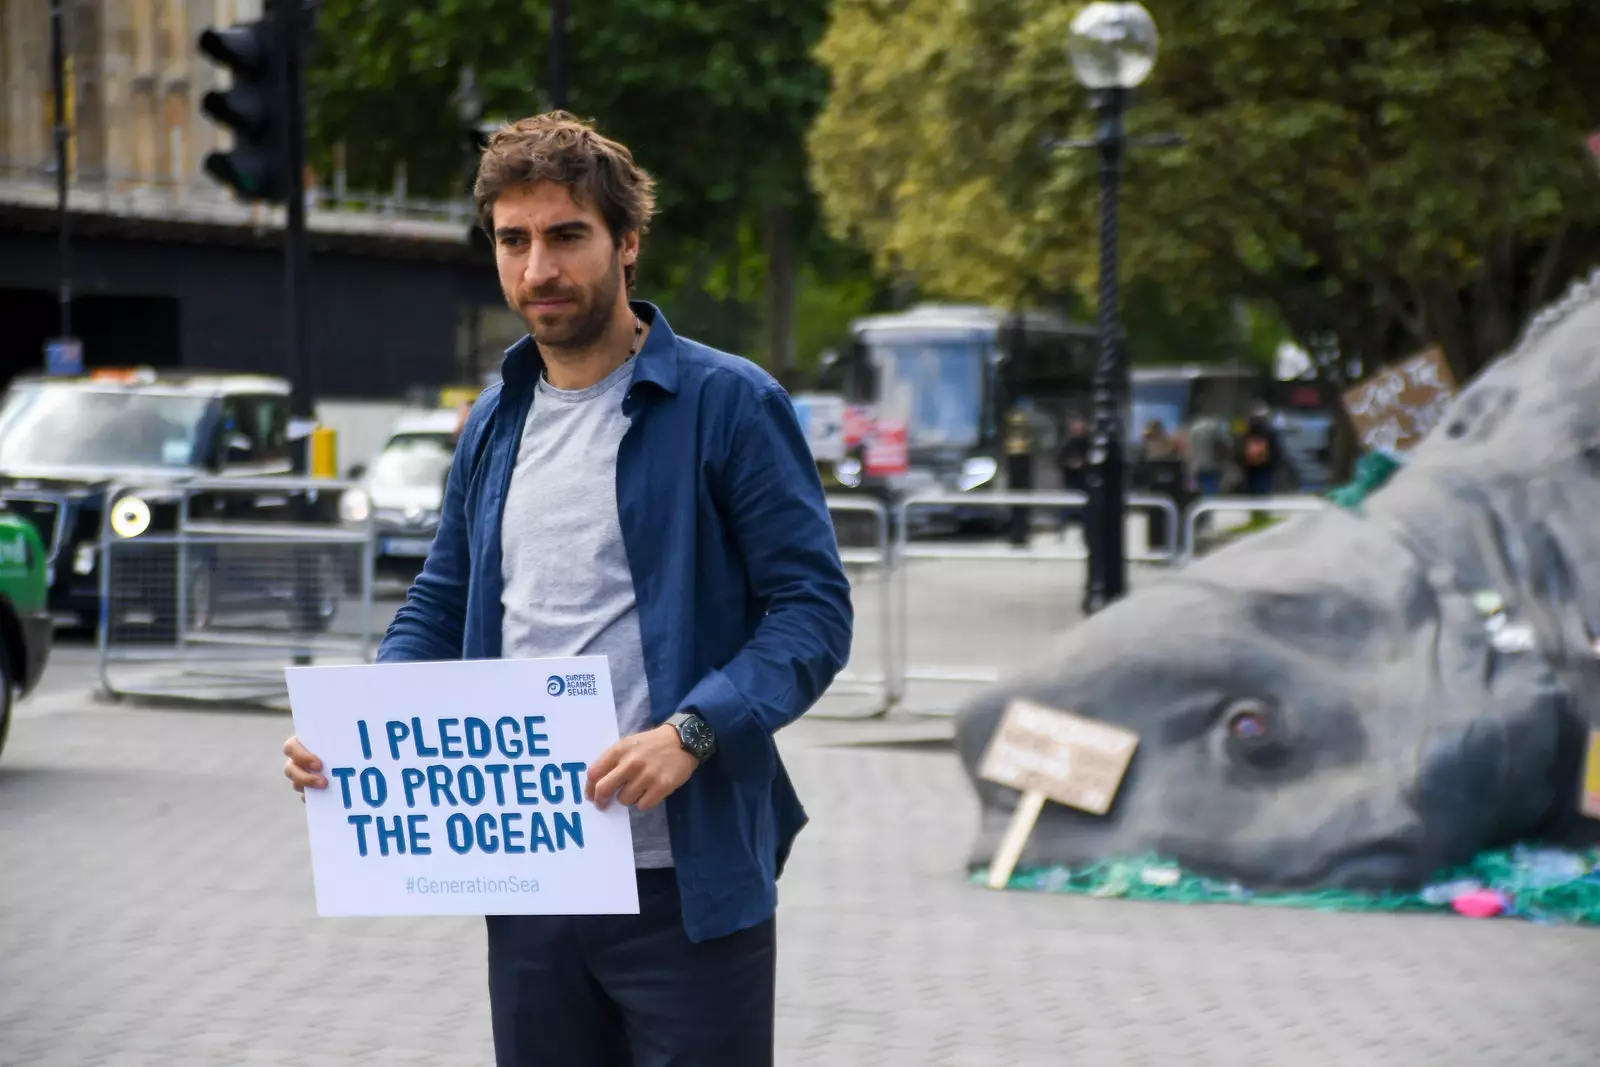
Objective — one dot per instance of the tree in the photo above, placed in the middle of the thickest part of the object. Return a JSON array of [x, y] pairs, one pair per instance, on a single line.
[[1381, 175], [713, 97]]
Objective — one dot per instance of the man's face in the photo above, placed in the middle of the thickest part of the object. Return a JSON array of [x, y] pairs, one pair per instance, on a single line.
[[558, 266]]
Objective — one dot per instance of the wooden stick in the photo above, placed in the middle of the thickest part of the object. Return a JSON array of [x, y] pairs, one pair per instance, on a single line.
[[1016, 836]]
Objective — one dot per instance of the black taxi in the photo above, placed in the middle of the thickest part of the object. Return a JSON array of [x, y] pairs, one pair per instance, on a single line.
[[66, 443]]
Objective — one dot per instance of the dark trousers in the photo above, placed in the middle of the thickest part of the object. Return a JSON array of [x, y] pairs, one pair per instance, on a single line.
[[630, 990], [1019, 476]]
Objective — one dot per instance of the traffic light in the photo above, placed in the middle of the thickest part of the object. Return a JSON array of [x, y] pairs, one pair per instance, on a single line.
[[253, 109]]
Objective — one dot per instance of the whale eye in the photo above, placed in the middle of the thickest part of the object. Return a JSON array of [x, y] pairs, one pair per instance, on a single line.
[[1254, 735], [1247, 721]]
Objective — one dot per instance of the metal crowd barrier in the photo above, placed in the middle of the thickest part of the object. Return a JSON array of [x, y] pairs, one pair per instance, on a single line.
[[875, 564], [1254, 504], [905, 551], [209, 588]]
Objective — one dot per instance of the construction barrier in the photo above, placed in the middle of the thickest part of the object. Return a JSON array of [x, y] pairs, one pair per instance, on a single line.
[[1046, 604], [1255, 505], [210, 588], [868, 564]]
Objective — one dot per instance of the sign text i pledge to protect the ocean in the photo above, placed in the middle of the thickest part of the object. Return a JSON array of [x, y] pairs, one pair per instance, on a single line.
[[456, 788]]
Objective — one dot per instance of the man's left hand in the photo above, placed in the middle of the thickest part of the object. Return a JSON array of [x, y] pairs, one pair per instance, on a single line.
[[640, 770]]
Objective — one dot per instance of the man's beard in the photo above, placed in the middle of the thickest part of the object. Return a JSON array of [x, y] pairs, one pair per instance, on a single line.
[[588, 316]]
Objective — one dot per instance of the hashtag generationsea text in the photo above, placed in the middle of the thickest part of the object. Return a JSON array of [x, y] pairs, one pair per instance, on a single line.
[[456, 886], [462, 779]]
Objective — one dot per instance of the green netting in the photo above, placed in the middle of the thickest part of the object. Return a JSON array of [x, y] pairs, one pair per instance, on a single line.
[[1372, 470], [1543, 885]]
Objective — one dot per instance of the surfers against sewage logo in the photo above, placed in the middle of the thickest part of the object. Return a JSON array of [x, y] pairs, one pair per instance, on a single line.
[[572, 685]]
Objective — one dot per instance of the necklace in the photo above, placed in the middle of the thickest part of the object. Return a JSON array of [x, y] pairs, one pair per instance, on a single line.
[[633, 349]]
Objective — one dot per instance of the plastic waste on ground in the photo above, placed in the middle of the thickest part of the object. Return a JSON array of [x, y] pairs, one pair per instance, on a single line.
[[1539, 884]]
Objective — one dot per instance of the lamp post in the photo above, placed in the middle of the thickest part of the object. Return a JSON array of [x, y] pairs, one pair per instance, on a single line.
[[62, 354], [1113, 48], [558, 54], [469, 110]]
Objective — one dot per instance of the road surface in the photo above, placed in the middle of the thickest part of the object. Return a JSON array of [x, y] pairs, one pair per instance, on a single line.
[[156, 908]]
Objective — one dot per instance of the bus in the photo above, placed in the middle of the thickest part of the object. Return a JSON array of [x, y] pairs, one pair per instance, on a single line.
[[942, 378]]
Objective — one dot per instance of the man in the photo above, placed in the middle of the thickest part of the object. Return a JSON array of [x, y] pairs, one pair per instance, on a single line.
[[1073, 460], [1019, 472], [1160, 468], [1209, 451], [1260, 453], [631, 493]]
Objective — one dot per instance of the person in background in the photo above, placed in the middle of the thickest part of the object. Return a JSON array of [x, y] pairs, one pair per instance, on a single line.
[[1073, 460], [1019, 471], [1260, 453], [1156, 444], [1159, 469], [1209, 448]]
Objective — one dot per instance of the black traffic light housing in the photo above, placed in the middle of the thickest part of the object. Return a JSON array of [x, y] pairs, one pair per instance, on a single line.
[[254, 109], [265, 109]]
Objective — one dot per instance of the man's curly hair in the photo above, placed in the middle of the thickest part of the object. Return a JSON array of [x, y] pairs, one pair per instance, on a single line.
[[559, 147]]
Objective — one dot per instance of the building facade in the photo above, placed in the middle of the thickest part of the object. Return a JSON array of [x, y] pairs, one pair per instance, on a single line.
[[136, 79], [164, 266]]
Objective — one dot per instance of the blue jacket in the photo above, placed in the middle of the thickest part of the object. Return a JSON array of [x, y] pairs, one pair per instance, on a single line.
[[744, 607]]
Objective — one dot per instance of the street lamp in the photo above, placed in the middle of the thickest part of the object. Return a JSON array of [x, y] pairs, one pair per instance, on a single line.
[[469, 110], [63, 354], [558, 55], [468, 101], [1113, 48]]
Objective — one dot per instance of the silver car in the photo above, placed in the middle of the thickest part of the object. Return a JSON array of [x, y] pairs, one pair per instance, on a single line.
[[405, 486]]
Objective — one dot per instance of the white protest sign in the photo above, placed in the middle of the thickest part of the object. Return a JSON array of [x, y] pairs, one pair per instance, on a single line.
[[456, 788]]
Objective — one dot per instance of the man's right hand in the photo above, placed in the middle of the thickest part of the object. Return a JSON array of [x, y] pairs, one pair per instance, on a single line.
[[301, 767]]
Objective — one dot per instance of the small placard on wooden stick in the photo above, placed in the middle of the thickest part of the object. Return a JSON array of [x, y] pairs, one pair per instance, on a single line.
[[1045, 753]]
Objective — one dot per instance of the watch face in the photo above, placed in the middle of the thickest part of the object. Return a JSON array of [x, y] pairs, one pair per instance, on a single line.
[[696, 734]]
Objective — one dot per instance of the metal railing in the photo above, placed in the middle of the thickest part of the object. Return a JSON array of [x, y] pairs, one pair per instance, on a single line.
[[905, 552], [198, 199], [1256, 505], [872, 563], [209, 588]]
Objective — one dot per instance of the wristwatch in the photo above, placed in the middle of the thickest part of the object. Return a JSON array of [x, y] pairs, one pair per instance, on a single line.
[[694, 734]]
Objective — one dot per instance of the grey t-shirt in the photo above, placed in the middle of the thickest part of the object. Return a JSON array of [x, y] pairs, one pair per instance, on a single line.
[[568, 590]]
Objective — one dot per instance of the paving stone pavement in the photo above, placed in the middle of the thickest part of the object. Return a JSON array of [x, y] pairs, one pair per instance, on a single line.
[[156, 908]]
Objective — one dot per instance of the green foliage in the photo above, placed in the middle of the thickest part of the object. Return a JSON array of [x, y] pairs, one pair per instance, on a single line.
[[714, 294], [827, 303], [1163, 330], [370, 87], [712, 96], [1388, 174]]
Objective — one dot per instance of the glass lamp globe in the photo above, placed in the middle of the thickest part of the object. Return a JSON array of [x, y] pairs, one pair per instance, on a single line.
[[1113, 45]]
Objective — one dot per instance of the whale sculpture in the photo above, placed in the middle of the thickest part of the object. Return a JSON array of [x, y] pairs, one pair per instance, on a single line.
[[1359, 699]]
